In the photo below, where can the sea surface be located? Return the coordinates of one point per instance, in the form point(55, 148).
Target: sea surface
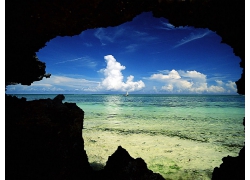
point(179, 136)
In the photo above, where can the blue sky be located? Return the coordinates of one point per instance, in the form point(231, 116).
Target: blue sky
point(146, 55)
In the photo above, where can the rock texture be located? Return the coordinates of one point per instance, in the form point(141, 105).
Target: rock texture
point(231, 168)
point(44, 140)
point(30, 24)
point(122, 166)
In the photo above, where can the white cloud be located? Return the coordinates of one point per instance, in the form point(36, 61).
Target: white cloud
point(86, 61)
point(114, 79)
point(88, 44)
point(161, 77)
point(167, 26)
point(232, 86)
point(188, 82)
point(139, 33)
point(131, 47)
point(192, 37)
point(57, 83)
point(193, 75)
point(216, 89)
point(155, 89)
point(183, 84)
point(105, 37)
point(168, 87)
point(219, 82)
point(70, 60)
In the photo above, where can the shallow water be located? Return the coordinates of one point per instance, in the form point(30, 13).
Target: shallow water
point(179, 136)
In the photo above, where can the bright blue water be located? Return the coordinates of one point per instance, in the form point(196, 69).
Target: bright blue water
point(212, 123)
point(215, 118)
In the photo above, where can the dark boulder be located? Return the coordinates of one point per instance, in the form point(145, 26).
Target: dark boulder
point(122, 166)
point(44, 140)
point(231, 168)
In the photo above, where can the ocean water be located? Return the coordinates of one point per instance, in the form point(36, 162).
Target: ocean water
point(179, 136)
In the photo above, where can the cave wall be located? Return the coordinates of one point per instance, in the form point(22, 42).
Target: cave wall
point(44, 140)
point(31, 23)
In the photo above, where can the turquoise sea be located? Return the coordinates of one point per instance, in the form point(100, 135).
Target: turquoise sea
point(205, 121)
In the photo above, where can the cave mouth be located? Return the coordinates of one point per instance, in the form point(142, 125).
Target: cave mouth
point(149, 55)
point(169, 159)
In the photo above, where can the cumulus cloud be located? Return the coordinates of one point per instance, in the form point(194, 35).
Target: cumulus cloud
point(155, 89)
point(114, 78)
point(168, 87)
point(215, 89)
point(189, 82)
point(172, 75)
point(219, 82)
point(193, 74)
point(232, 86)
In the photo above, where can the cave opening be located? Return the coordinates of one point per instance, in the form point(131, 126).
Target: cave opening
point(181, 67)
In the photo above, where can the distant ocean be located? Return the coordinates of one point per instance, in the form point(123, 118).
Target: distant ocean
point(214, 120)
point(222, 112)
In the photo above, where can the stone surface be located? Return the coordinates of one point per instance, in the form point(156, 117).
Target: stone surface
point(44, 140)
point(231, 168)
point(122, 166)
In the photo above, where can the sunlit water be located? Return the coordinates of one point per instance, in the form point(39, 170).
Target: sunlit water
point(179, 136)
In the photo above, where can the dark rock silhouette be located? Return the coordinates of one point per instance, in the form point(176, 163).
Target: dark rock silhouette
point(231, 168)
point(122, 166)
point(59, 98)
point(44, 140)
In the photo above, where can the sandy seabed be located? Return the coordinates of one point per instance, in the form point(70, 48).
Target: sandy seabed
point(172, 157)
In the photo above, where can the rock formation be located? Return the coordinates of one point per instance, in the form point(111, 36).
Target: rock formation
point(122, 166)
point(231, 168)
point(44, 138)
point(44, 141)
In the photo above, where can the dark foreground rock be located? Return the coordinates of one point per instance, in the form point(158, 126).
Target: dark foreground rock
point(44, 140)
point(122, 166)
point(232, 167)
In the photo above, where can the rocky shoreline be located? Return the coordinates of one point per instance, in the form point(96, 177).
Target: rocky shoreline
point(44, 141)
